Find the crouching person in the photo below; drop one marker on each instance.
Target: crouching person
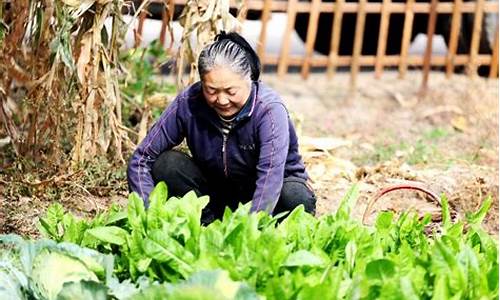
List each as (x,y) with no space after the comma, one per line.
(243,144)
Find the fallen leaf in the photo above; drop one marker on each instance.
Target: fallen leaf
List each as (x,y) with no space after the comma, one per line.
(459,123)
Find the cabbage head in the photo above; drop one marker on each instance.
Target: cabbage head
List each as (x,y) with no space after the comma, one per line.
(51,269)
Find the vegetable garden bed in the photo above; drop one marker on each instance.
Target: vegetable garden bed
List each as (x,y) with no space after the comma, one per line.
(164,253)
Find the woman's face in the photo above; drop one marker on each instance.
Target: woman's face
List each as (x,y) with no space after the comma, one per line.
(225,91)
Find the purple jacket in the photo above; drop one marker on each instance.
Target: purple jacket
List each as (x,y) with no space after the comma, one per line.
(260,150)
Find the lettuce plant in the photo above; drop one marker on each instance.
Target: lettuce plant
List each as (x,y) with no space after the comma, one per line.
(302,257)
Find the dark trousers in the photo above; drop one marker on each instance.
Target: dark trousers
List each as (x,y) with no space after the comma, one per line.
(182,175)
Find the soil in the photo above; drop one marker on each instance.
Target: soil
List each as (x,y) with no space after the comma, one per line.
(382,133)
(388,132)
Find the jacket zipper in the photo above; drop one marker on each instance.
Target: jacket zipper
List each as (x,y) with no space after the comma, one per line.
(224,155)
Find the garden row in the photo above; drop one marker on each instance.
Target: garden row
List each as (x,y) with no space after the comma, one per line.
(163,252)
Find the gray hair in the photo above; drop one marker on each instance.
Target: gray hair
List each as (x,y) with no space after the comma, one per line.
(225,53)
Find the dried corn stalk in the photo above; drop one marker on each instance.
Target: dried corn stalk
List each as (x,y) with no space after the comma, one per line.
(99,111)
(66,60)
(201,21)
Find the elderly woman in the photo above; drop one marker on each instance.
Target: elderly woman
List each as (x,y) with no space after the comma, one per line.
(243,144)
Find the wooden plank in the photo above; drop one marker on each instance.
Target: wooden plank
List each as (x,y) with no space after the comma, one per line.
(242,10)
(242,13)
(476,36)
(369,60)
(285,45)
(139,30)
(312,29)
(335,39)
(358,41)
(171,9)
(405,42)
(431,27)
(266,16)
(380,60)
(456,20)
(352,7)
(382,38)
(494,58)
(165,18)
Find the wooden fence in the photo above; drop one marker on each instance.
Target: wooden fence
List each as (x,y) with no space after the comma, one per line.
(380,60)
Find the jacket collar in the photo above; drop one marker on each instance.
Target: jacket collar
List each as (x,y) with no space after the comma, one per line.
(249,106)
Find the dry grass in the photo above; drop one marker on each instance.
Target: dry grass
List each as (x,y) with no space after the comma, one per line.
(63,58)
(202,20)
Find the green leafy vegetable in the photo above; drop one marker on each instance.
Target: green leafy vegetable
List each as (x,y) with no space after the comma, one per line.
(165,252)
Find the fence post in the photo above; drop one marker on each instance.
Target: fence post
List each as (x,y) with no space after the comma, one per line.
(335,41)
(266,15)
(456,20)
(358,41)
(431,27)
(242,13)
(139,30)
(285,46)
(476,36)
(382,38)
(312,29)
(166,17)
(494,57)
(405,43)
